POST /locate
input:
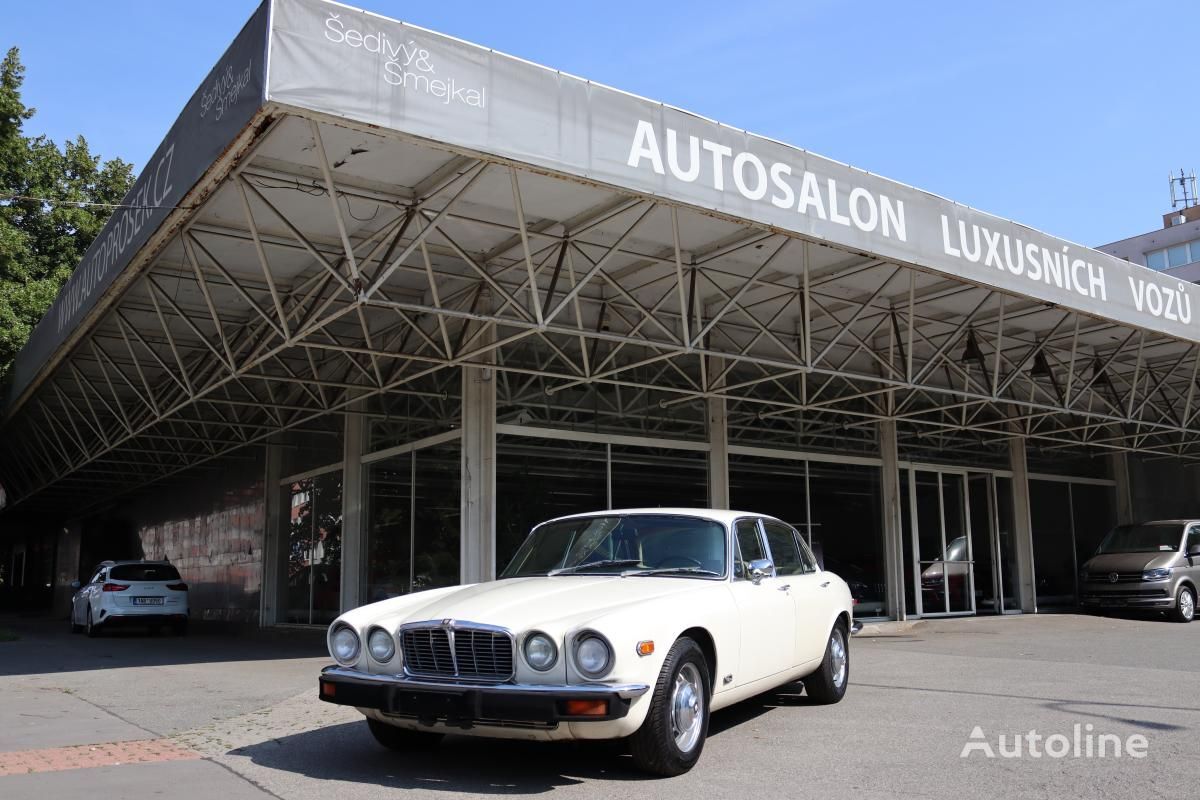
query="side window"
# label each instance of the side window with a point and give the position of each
(1193, 539)
(98, 577)
(806, 555)
(748, 547)
(784, 551)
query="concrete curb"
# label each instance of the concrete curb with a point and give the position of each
(887, 628)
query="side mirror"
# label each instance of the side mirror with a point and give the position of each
(1193, 551)
(761, 568)
(75, 585)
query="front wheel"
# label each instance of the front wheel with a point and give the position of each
(672, 737)
(402, 739)
(828, 684)
(91, 628)
(1185, 605)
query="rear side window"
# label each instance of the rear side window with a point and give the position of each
(784, 551)
(143, 572)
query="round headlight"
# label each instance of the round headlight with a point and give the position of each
(593, 656)
(540, 651)
(343, 645)
(381, 645)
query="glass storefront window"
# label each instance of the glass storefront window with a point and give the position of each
(658, 477)
(540, 479)
(314, 571)
(835, 506)
(413, 518)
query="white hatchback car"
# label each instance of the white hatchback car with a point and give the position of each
(149, 593)
(615, 624)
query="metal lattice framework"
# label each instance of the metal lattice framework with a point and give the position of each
(337, 269)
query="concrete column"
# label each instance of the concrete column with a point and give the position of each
(718, 454)
(354, 522)
(272, 599)
(1119, 468)
(66, 566)
(478, 535)
(893, 532)
(1022, 524)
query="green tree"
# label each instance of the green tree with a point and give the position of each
(42, 240)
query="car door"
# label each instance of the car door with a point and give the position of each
(1192, 565)
(809, 589)
(766, 612)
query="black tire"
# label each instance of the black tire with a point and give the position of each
(655, 746)
(92, 629)
(1185, 607)
(75, 627)
(828, 684)
(403, 739)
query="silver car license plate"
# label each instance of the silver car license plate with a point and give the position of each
(147, 601)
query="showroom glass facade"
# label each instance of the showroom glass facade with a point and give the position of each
(957, 535)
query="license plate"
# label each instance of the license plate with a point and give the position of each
(147, 601)
(431, 704)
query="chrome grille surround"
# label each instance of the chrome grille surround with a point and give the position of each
(458, 650)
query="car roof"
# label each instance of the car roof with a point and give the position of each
(1168, 522)
(724, 516)
(111, 563)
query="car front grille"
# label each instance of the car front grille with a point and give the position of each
(1122, 577)
(457, 650)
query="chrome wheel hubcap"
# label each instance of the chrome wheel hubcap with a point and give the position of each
(687, 707)
(837, 658)
(1187, 605)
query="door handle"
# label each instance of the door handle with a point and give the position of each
(823, 585)
(785, 587)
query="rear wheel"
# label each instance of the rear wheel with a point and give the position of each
(828, 684)
(402, 739)
(75, 626)
(1185, 605)
(91, 628)
(672, 737)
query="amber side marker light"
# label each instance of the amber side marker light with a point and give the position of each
(587, 708)
(645, 648)
(329, 689)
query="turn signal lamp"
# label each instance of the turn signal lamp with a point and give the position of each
(645, 648)
(587, 708)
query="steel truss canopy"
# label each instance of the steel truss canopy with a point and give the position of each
(350, 207)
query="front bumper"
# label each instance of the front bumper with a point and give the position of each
(465, 705)
(1146, 595)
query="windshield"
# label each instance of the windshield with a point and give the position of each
(1141, 539)
(633, 544)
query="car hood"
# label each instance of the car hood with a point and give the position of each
(520, 603)
(1129, 562)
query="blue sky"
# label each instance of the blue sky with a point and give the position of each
(1062, 115)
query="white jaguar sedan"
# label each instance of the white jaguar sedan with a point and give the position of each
(635, 623)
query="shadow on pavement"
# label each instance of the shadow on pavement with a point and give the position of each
(347, 752)
(471, 765)
(46, 645)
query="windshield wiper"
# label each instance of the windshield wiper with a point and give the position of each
(673, 571)
(611, 562)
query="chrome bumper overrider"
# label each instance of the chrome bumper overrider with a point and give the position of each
(626, 691)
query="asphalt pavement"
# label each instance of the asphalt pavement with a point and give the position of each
(237, 717)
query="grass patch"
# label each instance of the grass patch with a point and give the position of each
(7, 635)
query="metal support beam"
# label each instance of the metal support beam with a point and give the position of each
(354, 518)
